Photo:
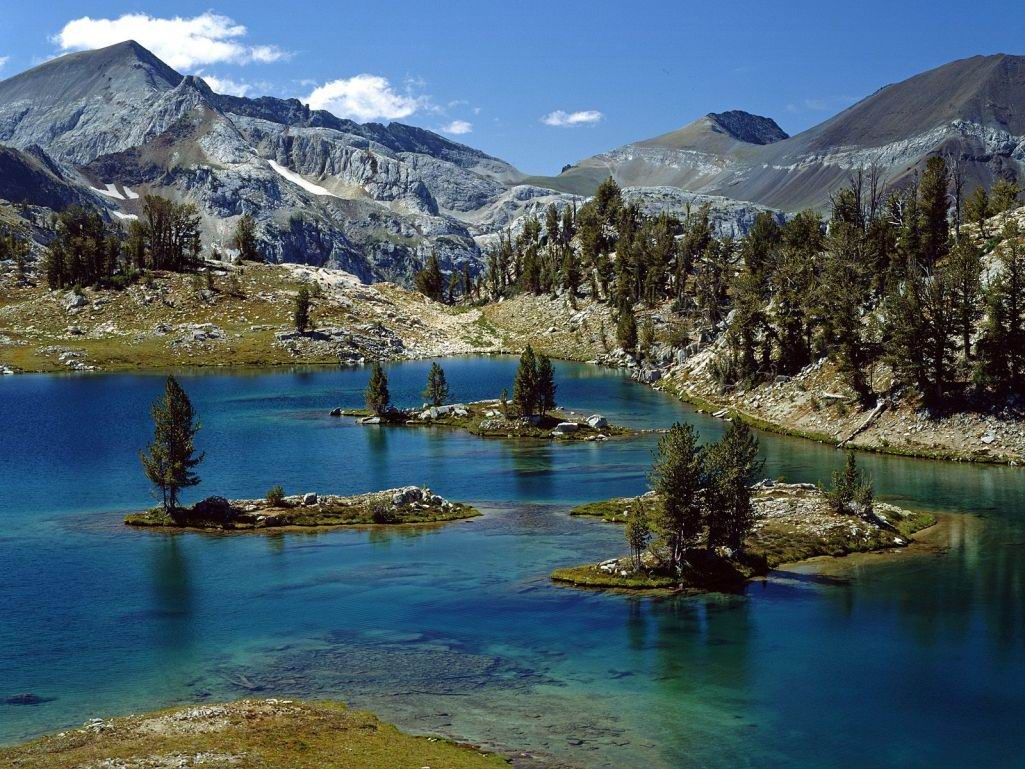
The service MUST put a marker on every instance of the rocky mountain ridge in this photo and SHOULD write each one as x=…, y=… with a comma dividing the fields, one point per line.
x=117, y=123
x=972, y=111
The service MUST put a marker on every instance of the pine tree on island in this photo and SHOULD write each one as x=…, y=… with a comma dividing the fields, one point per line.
x=534, y=386
x=436, y=391
x=171, y=458
x=376, y=395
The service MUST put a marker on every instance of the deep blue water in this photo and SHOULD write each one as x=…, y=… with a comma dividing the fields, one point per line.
x=915, y=661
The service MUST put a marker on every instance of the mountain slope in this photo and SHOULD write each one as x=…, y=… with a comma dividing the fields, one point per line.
x=372, y=199
x=972, y=110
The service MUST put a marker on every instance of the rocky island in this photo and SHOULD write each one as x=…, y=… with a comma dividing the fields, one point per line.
x=491, y=419
x=266, y=733
x=407, y=505
x=792, y=522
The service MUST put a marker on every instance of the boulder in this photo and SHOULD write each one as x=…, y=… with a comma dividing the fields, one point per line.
x=336, y=412
x=73, y=300
x=597, y=421
x=214, y=509
x=370, y=421
x=408, y=495
x=309, y=498
x=565, y=428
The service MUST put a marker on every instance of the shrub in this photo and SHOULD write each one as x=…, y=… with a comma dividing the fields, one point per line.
x=276, y=496
x=382, y=512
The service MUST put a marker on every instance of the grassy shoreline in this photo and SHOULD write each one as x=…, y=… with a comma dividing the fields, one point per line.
x=269, y=733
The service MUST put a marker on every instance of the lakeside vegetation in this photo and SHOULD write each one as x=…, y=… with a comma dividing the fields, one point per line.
x=271, y=733
x=703, y=527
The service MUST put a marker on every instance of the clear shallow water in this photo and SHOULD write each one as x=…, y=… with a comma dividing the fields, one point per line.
x=916, y=661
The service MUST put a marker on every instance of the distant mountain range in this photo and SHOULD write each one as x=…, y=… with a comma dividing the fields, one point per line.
x=972, y=110
x=105, y=127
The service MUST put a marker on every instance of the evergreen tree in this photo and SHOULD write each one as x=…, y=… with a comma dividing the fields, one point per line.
x=436, y=391
x=245, y=239
x=978, y=209
x=429, y=281
x=626, y=329
x=1004, y=196
x=638, y=533
x=677, y=477
x=172, y=233
x=376, y=395
x=545, y=385
x=933, y=205
x=171, y=459
x=747, y=328
x=17, y=249
x=551, y=224
x=920, y=330
x=1002, y=348
x=301, y=312
x=963, y=270
x=525, y=387
x=731, y=465
x=850, y=487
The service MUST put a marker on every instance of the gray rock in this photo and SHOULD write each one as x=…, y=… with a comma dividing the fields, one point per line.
x=309, y=498
x=565, y=428
x=597, y=421
x=73, y=300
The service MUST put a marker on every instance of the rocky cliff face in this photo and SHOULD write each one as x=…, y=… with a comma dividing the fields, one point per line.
x=118, y=123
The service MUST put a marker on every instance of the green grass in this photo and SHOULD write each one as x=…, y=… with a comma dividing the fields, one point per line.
x=613, y=510
x=363, y=510
x=589, y=575
x=270, y=734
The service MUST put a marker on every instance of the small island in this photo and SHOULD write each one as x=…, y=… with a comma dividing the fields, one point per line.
x=493, y=419
x=531, y=413
x=171, y=459
x=704, y=528
x=251, y=733
x=393, y=507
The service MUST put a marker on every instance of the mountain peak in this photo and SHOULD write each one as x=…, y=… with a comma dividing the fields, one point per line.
x=745, y=127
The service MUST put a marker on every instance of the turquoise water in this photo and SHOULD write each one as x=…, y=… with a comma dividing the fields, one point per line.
x=917, y=661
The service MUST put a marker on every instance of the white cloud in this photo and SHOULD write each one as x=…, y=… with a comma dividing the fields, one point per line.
x=184, y=43
x=562, y=119
x=457, y=127
x=226, y=85
x=4, y=60
x=365, y=97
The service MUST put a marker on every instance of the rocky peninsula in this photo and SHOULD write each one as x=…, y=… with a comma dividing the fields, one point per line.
x=249, y=733
x=393, y=507
x=794, y=522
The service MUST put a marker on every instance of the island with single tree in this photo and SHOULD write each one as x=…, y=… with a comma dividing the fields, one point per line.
x=705, y=527
x=531, y=413
x=171, y=460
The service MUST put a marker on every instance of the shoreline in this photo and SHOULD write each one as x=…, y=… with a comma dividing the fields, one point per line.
x=391, y=508
x=243, y=731
x=700, y=403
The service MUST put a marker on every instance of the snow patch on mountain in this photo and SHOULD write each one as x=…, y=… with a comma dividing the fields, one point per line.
x=293, y=177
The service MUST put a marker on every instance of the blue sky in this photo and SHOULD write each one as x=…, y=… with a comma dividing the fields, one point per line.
x=539, y=84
